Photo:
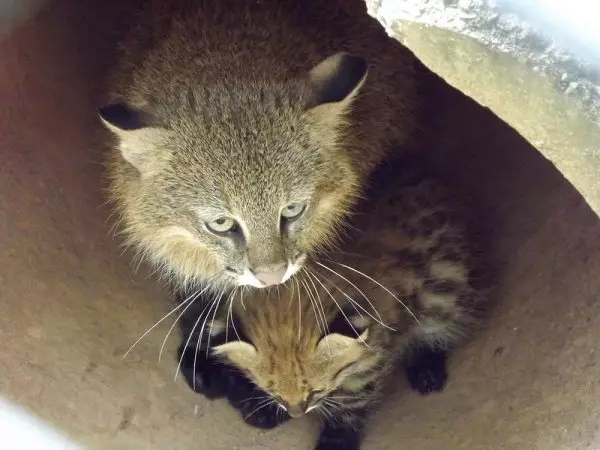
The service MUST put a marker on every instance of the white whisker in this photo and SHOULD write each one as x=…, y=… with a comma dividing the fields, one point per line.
x=162, y=347
x=383, y=287
x=318, y=301
x=299, y=309
x=260, y=407
x=188, y=300
x=310, y=297
x=356, y=304
x=230, y=312
x=215, y=304
x=355, y=287
x=187, y=343
x=342, y=311
x=214, y=309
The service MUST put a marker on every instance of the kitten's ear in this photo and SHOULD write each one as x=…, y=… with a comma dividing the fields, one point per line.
x=345, y=332
x=136, y=132
x=240, y=353
x=335, y=344
x=335, y=83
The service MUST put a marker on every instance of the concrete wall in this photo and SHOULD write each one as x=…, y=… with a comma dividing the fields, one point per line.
x=534, y=63
x=14, y=12
x=72, y=305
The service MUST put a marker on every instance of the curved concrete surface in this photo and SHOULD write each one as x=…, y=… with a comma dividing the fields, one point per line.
x=535, y=63
x=71, y=305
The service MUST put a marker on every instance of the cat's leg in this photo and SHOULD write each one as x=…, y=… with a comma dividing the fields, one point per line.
x=256, y=408
x=426, y=370
x=343, y=434
x=203, y=374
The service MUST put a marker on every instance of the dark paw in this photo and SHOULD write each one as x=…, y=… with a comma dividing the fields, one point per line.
x=336, y=437
x=337, y=446
x=427, y=371
x=205, y=375
x=265, y=419
x=339, y=441
x=253, y=404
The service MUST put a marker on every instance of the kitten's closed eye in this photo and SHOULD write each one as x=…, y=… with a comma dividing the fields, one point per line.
x=315, y=396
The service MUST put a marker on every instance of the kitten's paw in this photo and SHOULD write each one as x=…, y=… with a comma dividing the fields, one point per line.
x=427, y=371
x=265, y=419
x=253, y=404
x=326, y=444
x=334, y=437
x=204, y=375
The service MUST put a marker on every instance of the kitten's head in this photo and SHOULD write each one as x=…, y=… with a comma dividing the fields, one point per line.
x=236, y=182
x=291, y=359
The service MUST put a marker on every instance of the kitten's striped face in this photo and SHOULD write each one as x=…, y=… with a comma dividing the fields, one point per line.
x=301, y=368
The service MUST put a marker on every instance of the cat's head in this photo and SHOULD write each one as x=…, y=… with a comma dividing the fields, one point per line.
x=237, y=183
x=296, y=363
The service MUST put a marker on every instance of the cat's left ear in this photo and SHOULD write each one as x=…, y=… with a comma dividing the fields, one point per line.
x=139, y=137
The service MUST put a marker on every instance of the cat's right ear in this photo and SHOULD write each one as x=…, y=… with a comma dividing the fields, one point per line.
x=136, y=132
x=336, y=80
x=335, y=83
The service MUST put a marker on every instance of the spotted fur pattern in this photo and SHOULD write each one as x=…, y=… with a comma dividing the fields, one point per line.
x=405, y=287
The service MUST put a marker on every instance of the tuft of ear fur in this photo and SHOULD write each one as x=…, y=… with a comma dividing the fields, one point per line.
x=335, y=82
x=136, y=133
x=239, y=353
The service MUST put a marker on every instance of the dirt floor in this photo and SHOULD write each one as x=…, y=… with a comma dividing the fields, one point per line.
x=71, y=303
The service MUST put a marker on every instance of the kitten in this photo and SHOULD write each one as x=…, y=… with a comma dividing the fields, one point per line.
x=330, y=339
x=245, y=130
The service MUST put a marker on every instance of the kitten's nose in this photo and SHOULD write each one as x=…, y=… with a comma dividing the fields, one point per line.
x=271, y=276
x=296, y=411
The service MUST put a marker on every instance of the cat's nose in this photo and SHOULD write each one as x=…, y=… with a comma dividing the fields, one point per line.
x=297, y=410
x=270, y=276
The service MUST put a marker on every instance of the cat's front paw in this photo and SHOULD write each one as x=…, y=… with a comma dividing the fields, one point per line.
x=427, y=372
x=203, y=374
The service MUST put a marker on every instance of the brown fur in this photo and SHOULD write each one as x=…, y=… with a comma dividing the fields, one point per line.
x=232, y=125
x=414, y=241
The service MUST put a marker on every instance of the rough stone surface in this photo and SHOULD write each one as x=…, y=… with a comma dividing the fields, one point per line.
x=569, y=56
x=547, y=89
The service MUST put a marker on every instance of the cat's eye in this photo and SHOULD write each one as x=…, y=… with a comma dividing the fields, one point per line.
x=222, y=225
x=293, y=211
